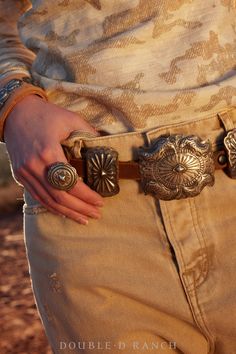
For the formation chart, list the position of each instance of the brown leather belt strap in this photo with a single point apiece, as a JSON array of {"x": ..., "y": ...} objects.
[{"x": 130, "y": 169}]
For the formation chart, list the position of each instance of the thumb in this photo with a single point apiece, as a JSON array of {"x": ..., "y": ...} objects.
[{"x": 79, "y": 123}]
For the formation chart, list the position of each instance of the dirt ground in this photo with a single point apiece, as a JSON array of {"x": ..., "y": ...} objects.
[{"x": 21, "y": 329}]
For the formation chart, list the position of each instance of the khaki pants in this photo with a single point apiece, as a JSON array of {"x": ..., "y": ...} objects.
[{"x": 150, "y": 276}]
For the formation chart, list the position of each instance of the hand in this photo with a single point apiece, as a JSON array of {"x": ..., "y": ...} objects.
[{"x": 33, "y": 132}]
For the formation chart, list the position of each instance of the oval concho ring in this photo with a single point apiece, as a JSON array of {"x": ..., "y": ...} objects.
[{"x": 62, "y": 176}]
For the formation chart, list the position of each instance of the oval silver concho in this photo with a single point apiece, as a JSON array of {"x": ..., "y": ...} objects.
[{"x": 176, "y": 167}]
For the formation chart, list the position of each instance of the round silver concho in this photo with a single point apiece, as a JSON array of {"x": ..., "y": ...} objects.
[
  {"x": 62, "y": 176},
  {"x": 176, "y": 167}
]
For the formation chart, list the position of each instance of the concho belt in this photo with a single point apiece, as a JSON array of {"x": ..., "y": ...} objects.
[{"x": 173, "y": 167}]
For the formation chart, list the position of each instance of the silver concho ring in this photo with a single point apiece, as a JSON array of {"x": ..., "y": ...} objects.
[{"x": 62, "y": 176}]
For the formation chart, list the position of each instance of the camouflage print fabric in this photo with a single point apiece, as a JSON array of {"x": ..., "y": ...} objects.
[{"x": 125, "y": 65}]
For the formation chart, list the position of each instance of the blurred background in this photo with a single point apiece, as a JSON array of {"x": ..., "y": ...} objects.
[{"x": 21, "y": 328}]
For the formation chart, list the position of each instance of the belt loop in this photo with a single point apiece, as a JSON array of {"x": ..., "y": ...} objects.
[
  {"x": 229, "y": 141},
  {"x": 73, "y": 144},
  {"x": 226, "y": 119}
]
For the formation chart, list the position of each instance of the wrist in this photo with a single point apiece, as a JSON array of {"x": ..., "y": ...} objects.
[
  {"x": 26, "y": 103},
  {"x": 12, "y": 94},
  {"x": 17, "y": 117}
]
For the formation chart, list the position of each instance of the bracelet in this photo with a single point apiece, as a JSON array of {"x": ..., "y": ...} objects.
[{"x": 12, "y": 93}]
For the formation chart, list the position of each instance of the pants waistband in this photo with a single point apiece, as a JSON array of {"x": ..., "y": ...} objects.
[{"x": 212, "y": 127}]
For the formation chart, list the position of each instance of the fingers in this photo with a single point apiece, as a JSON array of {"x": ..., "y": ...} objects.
[
  {"x": 34, "y": 143},
  {"x": 44, "y": 199},
  {"x": 78, "y": 204},
  {"x": 59, "y": 200},
  {"x": 82, "y": 191}
]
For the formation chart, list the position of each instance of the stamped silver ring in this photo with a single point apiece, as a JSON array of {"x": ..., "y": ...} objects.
[{"x": 62, "y": 176}]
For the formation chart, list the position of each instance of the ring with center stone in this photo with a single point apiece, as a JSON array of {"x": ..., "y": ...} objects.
[{"x": 62, "y": 176}]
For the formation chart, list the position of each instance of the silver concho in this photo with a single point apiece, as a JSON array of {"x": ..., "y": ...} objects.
[
  {"x": 102, "y": 170},
  {"x": 230, "y": 146},
  {"x": 176, "y": 167},
  {"x": 62, "y": 176}
]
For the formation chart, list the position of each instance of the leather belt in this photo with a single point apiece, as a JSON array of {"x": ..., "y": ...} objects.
[
  {"x": 131, "y": 170},
  {"x": 173, "y": 167}
]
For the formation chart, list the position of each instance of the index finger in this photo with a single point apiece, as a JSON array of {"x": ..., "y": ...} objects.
[
  {"x": 80, "y": 189},
  {"x": 85, "y": 193}
]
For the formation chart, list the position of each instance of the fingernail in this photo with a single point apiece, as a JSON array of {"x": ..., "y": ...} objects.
[
  {"x": 100, "y": 204},
  {"x": 83, "y": 221},
  {"x": 95, "y": 215}
]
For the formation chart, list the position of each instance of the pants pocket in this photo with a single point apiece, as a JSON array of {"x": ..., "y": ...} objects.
[{"x": 32, "y": 206}]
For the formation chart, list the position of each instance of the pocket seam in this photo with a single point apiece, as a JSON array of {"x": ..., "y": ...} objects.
[{"x": 34, "y": 210}]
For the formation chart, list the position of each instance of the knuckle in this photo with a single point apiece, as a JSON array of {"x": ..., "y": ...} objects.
[
  {"x": 48, "y": 202},
  {"x": 31, "y": 164},
  {"x": 59, "y": 198},
  {"x": 46, "y": 154}
]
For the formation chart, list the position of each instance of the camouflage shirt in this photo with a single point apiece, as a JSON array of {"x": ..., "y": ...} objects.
[{"x": 126, "y": 65}]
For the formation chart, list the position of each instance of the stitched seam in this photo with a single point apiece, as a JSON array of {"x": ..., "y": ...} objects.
[
  {"x": 205, "y": 329},
  {"x": 203, "y": 274},
  {"x": 177, "y": 246},
  {"x": 159, "y": 129},
  {"x": 34, "y": 210},
  {"x": 227, "y": 120},
  {"x": 188, "y": 291},
  {"x": 164, "y": 236},
  {"x": 210, "y": 336},
  {"x": 201, "y": 241},
  {"x": 202, "y": 232},
  {"x": 192, "y": 121}
]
